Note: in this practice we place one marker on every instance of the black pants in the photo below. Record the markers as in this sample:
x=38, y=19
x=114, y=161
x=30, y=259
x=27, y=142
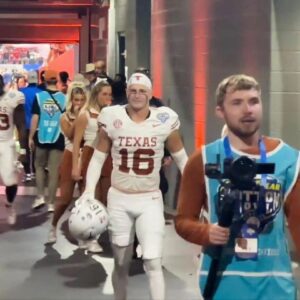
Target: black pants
x=29, y=164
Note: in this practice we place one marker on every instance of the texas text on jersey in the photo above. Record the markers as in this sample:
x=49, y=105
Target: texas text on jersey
x=8, y=102
x=137, y=148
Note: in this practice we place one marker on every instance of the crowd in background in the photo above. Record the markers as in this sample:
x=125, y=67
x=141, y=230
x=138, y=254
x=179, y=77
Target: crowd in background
x=60, y=134
x=32, y=83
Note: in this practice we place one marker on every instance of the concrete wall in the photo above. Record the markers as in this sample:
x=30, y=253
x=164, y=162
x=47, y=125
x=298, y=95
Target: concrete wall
x=195, y=44
x=285, y=68
x=131, y=17
x=239, y=42
x=172, y=71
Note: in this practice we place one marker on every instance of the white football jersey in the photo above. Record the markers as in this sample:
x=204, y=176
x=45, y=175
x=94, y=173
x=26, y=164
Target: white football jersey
x=137, y=148
x=8, y=102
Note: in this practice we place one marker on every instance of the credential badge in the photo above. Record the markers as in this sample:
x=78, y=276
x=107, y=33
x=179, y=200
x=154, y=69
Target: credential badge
x=50, y=108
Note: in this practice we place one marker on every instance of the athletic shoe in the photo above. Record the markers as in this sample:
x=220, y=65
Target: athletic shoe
x=11, y=215
x=38, y=202
x=94, y=247
x=83, y=244
x=50, y=207
x=27, y=178
x=52, y=235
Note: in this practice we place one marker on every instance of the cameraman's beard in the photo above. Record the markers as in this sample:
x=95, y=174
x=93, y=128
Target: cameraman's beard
x=244, y=134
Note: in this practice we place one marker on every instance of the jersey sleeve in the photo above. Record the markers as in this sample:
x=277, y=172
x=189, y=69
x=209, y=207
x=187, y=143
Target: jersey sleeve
x=104, y=118
x=20, y=98
x=173, y=120
x=16, y=98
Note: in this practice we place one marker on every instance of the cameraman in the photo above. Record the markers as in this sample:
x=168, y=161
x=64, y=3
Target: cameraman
x=252, y=268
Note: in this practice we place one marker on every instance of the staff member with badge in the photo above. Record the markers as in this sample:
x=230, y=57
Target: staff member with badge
x=47, y=139
x=251, y=248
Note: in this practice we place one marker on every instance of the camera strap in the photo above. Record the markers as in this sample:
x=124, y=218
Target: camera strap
x=262, y=151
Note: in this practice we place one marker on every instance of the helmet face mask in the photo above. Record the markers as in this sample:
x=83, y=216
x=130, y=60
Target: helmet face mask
x=88, y=220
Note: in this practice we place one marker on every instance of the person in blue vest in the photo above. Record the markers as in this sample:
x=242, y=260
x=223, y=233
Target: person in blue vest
x=250, y=254
x=30, y=91
x=47, y=139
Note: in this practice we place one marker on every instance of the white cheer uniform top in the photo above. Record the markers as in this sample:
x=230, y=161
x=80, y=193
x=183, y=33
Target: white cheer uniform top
x=68, y=142
x=91, y=129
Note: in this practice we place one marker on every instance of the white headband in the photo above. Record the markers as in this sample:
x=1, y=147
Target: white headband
x=140, y=78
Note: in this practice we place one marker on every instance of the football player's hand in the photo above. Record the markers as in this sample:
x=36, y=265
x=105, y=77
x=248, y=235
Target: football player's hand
x=218, y=235
x=76, y=174
x=76, y=110
x=85, y=195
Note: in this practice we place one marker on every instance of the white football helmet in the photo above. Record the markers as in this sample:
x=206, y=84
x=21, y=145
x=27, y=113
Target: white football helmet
x=88, y=219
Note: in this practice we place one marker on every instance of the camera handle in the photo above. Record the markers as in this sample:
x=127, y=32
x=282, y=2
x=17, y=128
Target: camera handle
x=225, y=220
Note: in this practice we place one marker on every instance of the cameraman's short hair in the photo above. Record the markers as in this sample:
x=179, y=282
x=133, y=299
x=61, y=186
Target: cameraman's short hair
x=235, y=83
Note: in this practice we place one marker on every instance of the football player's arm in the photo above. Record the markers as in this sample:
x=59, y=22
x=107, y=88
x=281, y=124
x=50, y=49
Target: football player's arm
x=96, y=163
x=292, y=211
x=19, y=121
x=79, y=128
x=175, y=146
x=192, y=199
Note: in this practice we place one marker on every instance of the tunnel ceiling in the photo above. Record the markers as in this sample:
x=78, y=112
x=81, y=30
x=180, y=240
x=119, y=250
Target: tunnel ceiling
x=37, y=21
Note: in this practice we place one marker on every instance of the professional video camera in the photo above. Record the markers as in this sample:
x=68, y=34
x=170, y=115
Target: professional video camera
x=240, y=171
x=238, y=175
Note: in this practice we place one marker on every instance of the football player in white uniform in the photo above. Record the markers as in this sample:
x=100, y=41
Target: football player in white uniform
x=11, y=114
x=136, y=134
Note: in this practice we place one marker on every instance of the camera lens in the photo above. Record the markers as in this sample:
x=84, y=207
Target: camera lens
x=243, y=171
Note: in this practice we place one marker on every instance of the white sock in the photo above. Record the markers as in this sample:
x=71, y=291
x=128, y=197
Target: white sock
x=155, y=275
